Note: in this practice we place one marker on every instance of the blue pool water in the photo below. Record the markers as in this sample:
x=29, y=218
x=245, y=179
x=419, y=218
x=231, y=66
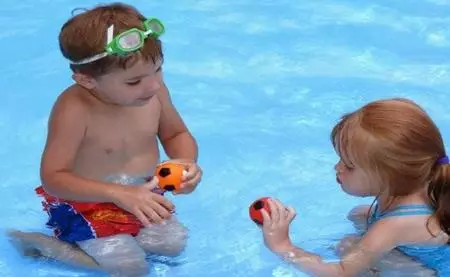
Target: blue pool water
x=260, y=84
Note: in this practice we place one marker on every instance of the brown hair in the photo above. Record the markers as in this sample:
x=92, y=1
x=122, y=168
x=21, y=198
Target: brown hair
x=84, y=35
x=397, y=144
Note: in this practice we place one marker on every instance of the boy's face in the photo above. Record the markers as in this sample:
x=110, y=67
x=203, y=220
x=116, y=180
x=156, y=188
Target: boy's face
x=134, y=86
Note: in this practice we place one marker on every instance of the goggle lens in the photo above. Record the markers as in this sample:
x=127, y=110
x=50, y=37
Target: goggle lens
x=130, y=41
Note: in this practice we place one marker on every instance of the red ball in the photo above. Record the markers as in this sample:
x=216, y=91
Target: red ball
x=256, y=207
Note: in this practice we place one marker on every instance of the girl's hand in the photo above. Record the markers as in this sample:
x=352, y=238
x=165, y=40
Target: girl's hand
x=276, y=226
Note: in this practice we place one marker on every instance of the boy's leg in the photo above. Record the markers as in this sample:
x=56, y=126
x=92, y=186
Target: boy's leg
x=42, y=246
x=166, y=240
x=119, y=255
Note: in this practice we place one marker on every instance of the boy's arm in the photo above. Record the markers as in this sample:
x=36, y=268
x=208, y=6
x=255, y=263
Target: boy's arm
x=66, y=129
x=177, y=141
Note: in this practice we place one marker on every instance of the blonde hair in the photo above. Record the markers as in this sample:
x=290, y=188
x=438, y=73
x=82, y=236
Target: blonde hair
x=397, y=144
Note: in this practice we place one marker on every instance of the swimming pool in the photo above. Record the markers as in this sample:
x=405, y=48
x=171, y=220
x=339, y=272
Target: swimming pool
x=260, y=84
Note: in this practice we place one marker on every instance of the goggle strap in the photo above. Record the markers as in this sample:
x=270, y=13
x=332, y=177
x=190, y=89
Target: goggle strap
x=109, y=39
x=110, y=34
x=91, y=59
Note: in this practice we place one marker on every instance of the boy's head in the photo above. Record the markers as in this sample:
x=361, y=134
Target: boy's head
x=86, y=35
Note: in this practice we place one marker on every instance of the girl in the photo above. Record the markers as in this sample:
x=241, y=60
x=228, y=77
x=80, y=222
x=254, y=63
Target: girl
x=392, y=150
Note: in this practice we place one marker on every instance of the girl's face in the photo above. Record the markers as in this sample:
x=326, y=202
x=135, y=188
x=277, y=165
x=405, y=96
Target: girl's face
x=354, y=180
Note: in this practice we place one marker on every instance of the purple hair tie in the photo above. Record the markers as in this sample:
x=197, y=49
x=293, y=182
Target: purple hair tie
x=443, y=160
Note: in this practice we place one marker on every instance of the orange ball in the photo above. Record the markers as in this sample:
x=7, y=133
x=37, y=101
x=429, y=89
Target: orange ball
x=255, y=210
x=170, y=175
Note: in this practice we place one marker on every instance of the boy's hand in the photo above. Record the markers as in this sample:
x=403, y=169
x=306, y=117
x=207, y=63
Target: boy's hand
x=276, y=226
x=192, y=178
x=147, y=206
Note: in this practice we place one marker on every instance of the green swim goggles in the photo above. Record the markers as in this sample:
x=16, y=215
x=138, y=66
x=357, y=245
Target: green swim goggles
x=128, y=41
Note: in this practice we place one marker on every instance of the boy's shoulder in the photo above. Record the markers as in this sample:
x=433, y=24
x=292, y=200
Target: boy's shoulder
x=78, y=96
x=73, y=100
x=74, y=93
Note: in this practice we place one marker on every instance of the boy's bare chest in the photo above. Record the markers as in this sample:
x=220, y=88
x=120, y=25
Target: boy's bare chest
x=122, y=135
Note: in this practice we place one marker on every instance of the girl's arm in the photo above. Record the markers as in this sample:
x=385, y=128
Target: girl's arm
x=359, y=215
x=379, y=239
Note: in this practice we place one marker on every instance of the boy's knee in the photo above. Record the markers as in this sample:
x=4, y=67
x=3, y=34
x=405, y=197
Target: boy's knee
x=129, y=268
x=118, y=255
x=167, y=240
x=176, y=243
x=131, y=264
x=175, y=240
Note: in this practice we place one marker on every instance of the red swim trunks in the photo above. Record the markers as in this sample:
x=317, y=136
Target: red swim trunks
x=74, y=221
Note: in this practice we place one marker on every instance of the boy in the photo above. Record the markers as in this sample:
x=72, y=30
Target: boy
x=105, y=129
